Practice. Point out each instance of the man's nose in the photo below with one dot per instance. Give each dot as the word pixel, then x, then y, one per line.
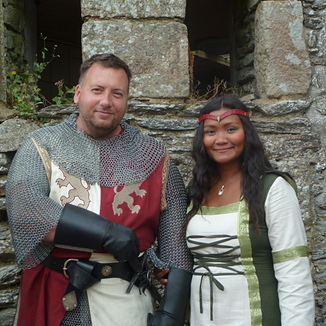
pixel 106 99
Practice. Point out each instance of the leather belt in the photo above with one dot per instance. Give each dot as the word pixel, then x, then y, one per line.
pixel 99 270
pixel 84 273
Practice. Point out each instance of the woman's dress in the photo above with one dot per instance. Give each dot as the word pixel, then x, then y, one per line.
pixel 243 278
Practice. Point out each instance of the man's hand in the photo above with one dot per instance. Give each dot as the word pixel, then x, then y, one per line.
pixel 123 243
pixel 161 276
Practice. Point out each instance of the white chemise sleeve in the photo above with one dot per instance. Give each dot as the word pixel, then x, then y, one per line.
pixel 288 241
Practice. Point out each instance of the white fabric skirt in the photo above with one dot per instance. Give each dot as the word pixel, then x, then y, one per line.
pixel 111 305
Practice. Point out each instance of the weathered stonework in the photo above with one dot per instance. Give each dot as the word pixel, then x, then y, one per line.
pixel 283 107
pixel 134 9
pixel 13 33
pixel 2 62
pixel 157 53
pixel 150 36
pixel 13 132
pixel 281 59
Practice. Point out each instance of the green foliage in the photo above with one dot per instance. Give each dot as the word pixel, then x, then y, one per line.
pixel 24 95
pixel 63 91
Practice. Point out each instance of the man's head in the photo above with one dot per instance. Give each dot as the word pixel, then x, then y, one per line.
pixel 102 95
pixel 108 60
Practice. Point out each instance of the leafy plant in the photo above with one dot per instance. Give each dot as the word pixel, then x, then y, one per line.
pixel 63 91
pixel 24 95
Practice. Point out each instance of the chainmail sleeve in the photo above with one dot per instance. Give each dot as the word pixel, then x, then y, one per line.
pixel 172 250
pixel 31 213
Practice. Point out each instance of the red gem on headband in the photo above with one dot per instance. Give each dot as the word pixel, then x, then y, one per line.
pixel 222 116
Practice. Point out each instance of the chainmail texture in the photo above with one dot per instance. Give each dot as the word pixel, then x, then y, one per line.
pixel 79 316
pixel 130 157
pixel 172 250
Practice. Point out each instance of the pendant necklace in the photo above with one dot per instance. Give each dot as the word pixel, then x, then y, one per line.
pixel 221 191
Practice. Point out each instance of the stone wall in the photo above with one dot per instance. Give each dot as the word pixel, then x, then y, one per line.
pixel 147 35
pixel 280 73
pixel 315 36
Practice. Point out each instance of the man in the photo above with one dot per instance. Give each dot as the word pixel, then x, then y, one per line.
pixel 84 198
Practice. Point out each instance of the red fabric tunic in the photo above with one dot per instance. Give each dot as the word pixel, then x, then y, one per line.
pixel 136 206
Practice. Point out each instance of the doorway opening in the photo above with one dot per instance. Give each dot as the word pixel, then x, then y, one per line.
pixel 60 23
pixel 209 26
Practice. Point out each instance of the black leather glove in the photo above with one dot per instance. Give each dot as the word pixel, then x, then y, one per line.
pixel 80 228
pixel 161 319
pixel 175 300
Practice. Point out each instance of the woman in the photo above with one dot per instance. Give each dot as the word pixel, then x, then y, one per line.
pixel 251 265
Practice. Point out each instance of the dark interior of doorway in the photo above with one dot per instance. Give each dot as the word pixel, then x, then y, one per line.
pixel 209 32
pixel 209 24
pixel 60 22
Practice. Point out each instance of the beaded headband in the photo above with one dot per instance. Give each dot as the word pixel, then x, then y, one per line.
pixel 222 116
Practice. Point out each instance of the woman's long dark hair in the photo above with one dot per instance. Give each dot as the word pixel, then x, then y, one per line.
pixel 254 162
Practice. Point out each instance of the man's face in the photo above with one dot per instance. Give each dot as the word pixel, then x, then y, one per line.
pixel 102 98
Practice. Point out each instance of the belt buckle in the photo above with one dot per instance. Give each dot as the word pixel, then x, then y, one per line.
pixel 65 266
pixel 106 270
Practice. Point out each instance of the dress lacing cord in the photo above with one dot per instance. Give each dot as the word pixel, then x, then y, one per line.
pixel 223 260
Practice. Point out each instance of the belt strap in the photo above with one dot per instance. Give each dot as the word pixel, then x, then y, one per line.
pixel 83 273
pixel 97 270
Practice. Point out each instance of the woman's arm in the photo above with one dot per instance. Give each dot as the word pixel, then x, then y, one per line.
pixel 289 247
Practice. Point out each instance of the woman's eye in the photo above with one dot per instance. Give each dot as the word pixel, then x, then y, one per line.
pixel 230 129
pixel 209 132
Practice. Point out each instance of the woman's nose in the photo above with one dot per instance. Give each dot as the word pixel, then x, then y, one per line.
pixel 220 138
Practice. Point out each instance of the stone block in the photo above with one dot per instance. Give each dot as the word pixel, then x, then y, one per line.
pixel 13 132
pixel 136 107
pixel 5 113
pixel 5 161
pixel 133 9
pixel 281 58
pixel 321 43
pixel 8 297
pixel 7 316
pixel 292 126
pixel 318 84
pixel 157 53
pixel 14 17
pixel 162 123
pixel 2 205
pixel 3 181
pixel 9 275
pixel 302 148
pixel 317 116
pixel 283 107
pixel 6 247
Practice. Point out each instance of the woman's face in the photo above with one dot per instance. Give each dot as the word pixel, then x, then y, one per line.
pixel 224 140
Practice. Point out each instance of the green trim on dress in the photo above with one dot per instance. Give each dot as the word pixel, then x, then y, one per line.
pixel 226 209
pixel 248 264
pixel 290 253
